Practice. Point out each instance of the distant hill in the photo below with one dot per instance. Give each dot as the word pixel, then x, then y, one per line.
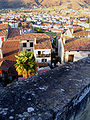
pixel 75 4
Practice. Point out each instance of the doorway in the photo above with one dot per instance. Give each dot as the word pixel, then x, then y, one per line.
pixel 70 58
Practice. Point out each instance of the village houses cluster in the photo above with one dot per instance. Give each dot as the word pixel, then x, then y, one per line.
pixel 72 41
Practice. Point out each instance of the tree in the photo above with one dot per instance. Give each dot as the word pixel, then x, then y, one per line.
pixel 26 64
pixel 19 24
pixel 88 20
pixel 38 30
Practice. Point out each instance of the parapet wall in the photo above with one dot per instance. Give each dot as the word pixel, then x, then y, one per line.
pixel 78 108
pixel 60 94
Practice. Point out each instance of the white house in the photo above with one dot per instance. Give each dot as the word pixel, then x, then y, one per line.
pixel 73 49
pixel 74 44
pixel 39 43
pixel 42 51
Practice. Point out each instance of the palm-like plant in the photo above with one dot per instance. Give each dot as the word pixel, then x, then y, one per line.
pixel 26 64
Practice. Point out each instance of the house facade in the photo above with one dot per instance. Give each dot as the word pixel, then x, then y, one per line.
pixel 39 43
pixel 74 48
pixel 18 41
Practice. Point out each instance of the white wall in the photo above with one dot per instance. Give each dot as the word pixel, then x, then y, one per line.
pixel 60 49
pixel 77 55
pixel 46 51
pixel 68 33
pixel 14 25
pixel 28 45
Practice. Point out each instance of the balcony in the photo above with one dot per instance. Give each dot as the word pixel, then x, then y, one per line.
pixel 43 55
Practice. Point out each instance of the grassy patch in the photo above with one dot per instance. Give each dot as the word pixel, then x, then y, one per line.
pixel 51 33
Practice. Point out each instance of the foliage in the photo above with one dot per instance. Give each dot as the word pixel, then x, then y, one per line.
pixel 88 20
pixel 38 30
pixel 23 16
pixel 33 22
pixel 51 33
pixel 25 25
pixel 19 24
pixel 26 64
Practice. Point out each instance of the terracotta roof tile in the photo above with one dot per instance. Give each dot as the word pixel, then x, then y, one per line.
pixel 43 45
pixel 81 33
pixel 10 49
pixel 31 36
pixel 3 26
pixel 9 46
pixel 3 29
pixel 27 36
pixel 75 29
pixel 13 32
pixel 77 44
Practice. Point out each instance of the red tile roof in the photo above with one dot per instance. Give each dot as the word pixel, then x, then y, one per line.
pixel 13 32
pixel 3 29
pixel 10 46
pixel 77 44
pixel 14 35
pixel 31 36
pixel 3 26
pixel 45 24
pixel 75 28
pixel 43 45
pixel 10 49
pixel 81 33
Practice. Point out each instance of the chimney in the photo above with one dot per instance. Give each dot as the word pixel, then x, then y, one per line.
pixel 34 40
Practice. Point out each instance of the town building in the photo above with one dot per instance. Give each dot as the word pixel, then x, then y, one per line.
pixel 13 40
pixel 74 44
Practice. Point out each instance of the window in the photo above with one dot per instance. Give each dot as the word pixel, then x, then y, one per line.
pixel 28 49
pixel 39 52
pixel 70 58
pixel 43 52
pixel 44 60
pixel 24 44
pixel 31 44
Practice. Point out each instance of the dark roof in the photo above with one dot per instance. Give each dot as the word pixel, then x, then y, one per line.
pixel 13 32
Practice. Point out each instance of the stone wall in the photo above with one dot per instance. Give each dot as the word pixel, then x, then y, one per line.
pixel 60 94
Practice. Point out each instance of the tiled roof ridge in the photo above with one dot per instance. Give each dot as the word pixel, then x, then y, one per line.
pixel 78 44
